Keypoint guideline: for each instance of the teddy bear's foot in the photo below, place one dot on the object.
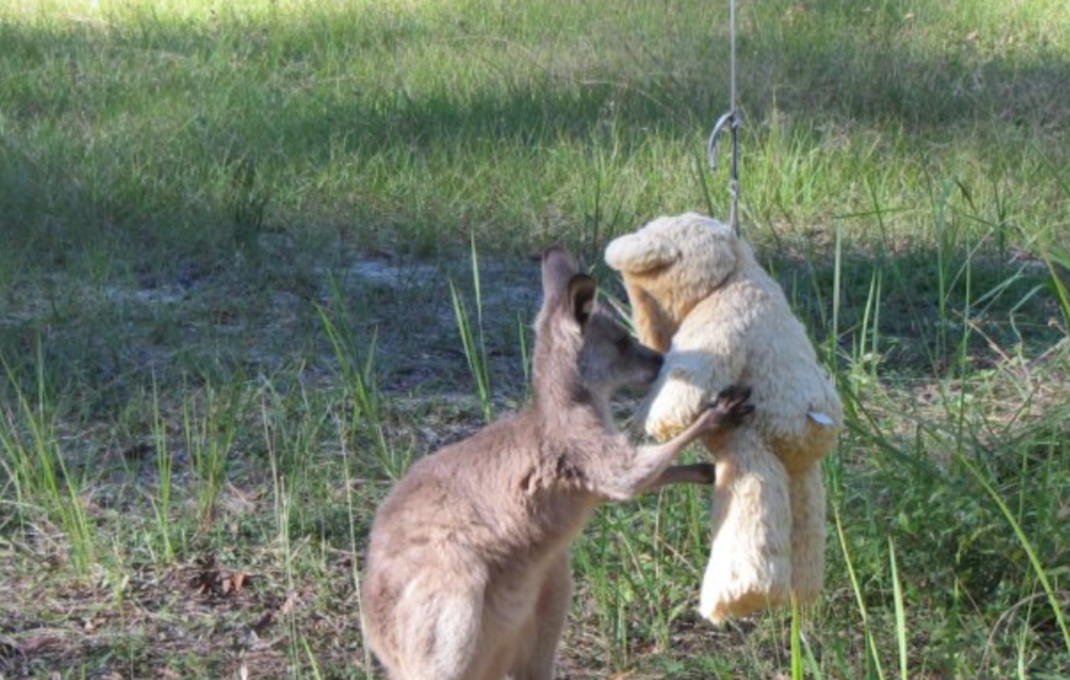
(750, 557)
(807, 534)
(733, 590)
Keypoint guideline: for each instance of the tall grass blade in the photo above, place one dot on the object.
(474, 354)
(525, 355)
(837, 273)
(863, 611)
(358, 373)
(311, 659)
(210, 430)
(347, 464)
(900, 613)
(796, 641)
(811, 660)
(36, 463)
(1055, 260)
(161, 503)
(1027, 546)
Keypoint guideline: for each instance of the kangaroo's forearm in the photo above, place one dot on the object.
(647, 465)
(697, 473)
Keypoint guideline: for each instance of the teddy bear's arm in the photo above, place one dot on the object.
(652, 324)
(700, 363)
(687, 382)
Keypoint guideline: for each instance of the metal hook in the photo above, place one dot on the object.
(730, 121)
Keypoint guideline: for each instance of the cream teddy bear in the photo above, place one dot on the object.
(698, 293)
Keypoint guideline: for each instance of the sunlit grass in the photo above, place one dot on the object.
(417, 124)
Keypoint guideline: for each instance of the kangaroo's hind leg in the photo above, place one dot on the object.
(439, 630)
(550, 614)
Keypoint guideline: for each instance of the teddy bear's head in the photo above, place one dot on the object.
(669, 265)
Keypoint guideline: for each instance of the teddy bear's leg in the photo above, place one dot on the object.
(750, 559)
(807, 533)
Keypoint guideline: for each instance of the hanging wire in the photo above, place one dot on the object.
(731, 122)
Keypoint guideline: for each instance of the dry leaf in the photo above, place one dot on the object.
(289, 604)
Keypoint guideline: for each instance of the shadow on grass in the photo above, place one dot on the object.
(104, 348)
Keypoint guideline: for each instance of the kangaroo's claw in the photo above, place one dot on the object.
(732, 404)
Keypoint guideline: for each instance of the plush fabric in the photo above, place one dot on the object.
(698, 293)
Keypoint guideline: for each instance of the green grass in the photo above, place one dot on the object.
(475, 354)
(229, 233)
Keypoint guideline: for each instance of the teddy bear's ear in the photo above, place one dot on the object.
(640, 252)
(581, 295)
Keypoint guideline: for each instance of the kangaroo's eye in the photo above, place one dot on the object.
(623, 344)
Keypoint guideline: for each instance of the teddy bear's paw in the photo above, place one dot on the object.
(737, 589)
(718, 611)
(719, 607)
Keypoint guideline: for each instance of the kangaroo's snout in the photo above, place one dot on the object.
(653, 361)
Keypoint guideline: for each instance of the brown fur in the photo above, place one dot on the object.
(468, 573)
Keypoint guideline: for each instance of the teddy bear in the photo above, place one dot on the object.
(699, 295)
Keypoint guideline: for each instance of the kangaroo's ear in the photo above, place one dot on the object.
(558, 267)
(581, 294)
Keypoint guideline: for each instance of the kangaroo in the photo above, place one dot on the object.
(468, 573)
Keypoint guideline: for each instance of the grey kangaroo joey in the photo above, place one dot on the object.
(467, 573)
